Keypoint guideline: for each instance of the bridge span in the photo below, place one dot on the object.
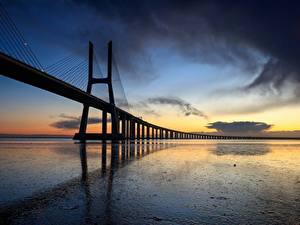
(127, 126)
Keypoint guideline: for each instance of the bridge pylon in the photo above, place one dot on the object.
(82, 134)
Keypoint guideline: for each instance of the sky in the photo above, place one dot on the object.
(198, 66)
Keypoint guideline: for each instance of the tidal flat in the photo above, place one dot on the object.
(149, 182)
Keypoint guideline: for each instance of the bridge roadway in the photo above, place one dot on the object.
(129, 126)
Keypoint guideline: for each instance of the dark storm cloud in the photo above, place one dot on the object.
(186, 108)
(216, 32)
(213, 31)
(71, 122)
(239, 126)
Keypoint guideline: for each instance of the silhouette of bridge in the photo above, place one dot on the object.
(18, 62)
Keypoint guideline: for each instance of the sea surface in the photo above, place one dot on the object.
(58, 181)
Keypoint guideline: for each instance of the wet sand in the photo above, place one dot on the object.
(166, 182)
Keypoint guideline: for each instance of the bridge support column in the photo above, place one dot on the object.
(132, 129)
(143, 131)
(138, 131)
(114, 124)
(104, 123)
(128, 128)
(148, 132)
(124, 126)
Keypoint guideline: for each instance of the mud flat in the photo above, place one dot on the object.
(169, 182)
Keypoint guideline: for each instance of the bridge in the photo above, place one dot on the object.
(18, 62)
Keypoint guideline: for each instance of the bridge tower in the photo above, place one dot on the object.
(82, 135)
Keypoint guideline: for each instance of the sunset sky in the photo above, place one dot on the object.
(202, 66)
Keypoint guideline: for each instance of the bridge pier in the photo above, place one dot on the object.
(123, 126)
(143, 131)
(132, 129)
(115, 123)
(148, 132)
(104, 122)
(127, 129)
(138, 132)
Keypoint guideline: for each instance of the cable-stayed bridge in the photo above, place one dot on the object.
(74, 78)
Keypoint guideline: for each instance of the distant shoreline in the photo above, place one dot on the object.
(33, 136)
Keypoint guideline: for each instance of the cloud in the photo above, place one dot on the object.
(239, 126)
(211, 31)
(72, 122)
(208, 31)
(151, 112)
(186, 108)
(145, 106)
(258, 37)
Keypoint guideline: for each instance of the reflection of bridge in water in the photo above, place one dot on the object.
(121, 154)
(114, 156)
(18, 62)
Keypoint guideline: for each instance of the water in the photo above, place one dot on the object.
(164, 182)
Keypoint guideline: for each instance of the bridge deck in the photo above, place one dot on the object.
(22, 72)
